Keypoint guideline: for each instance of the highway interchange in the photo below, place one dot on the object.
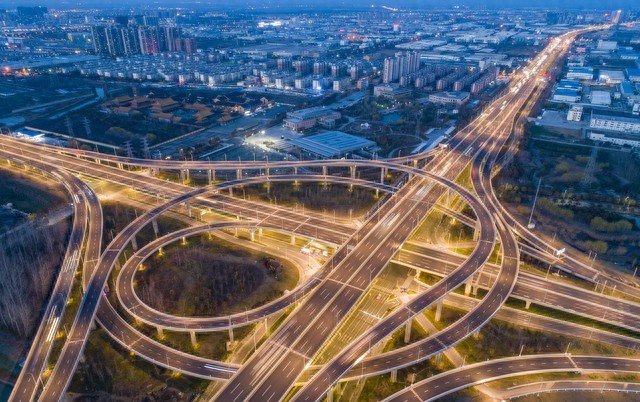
(326, 299)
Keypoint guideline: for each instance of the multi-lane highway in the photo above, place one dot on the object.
(443, 384)
(337, 287)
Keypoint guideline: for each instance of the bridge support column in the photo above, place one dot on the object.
(377, 192)
(476, 334)
(468, 286)
(230, 191)
(438, 310)
(194, 340)
(181, 176)
(252, 234)
(352, 172)
(186, 174)
(211, 175)
(154, 223)
(160, 251)
(324, 173)
(394, 376)
(407, 331)
(238, 174)
(120, 166)
(438, 358)
(268, 186)
(476, 233)
(266, 327)
(295, 172)
(477, 284)
(187, 205)
(383, 173)
(118, 265)
(134, 243)
(184, 240)
(527, 304)
(160, 332)
(293, 239)
(231, 335)
(260, 232)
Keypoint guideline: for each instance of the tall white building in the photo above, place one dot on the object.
(399, 66)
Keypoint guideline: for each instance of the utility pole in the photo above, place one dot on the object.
(532, 225)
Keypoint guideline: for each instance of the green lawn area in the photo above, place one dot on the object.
(29, 192)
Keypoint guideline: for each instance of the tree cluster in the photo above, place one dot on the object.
(28, 261)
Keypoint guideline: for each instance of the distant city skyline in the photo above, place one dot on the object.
(279, 4)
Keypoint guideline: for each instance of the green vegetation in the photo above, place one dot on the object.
(314, 196)
(117, 216)
(597, 246)
(108, 369)
(550, 207)
(29, 193)
(618, 226)
(212, 277)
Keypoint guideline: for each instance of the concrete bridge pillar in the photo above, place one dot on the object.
(118, 265)
(266, 327)
(330, 395)
(407, 331)
(266, 171)
(293, 239)
(194, 340)
(352, 171)
(160, 251)
(383, 173)
(120, 166)
(476, 334)
(134, 243)
(211, 175)
(527, 304)
(231, 191)
(238, 174)
(438, 358)
(252, 234)
(186, 174)
(468, 286)
(438, 310)
(154, 223)
(187, 205)
(182, 176)
(394, 376)
(160, 332)
(230, 334)
(476, 232)
(377, 192)
(324, 173)
(184, 240)
(295, 172)
(260, 232)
